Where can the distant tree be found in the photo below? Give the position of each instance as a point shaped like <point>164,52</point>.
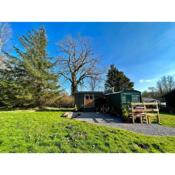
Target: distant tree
<point>32,70</point>
<point>146,94</point>
<point>170,100</point>
<point>165,85</point>
<point>77,62</point>
<point>5,34</point>
<point>150,93</point>
<point>94,82</point>
<point>117,80</point>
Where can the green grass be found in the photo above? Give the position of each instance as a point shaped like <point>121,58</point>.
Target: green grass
<point>47,132</point>
<point>167,119</point>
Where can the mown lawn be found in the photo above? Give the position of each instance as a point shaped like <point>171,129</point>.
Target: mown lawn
<point>47,132</point>
<point>166,119</point>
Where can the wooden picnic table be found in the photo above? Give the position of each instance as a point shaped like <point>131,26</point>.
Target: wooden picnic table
<point>144,111</point>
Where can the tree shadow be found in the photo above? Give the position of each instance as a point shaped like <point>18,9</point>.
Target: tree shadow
<point>39,109</point>
<point>55,110</point>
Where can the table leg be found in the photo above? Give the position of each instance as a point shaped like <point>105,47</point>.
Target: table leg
<point>148,118</point>
<point>158,119</point>
<point>141,120</point>
<point>133,120</point>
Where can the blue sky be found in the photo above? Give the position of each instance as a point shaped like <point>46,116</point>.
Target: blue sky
<point>144,51</point>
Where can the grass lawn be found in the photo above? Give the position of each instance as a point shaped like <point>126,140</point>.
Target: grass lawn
<point>166,119</point>
<point>47,132</point>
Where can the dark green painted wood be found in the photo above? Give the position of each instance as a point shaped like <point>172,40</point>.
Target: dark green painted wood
<point>117,100</point>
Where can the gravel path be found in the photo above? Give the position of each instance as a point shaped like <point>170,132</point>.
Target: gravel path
<point>113,121</point>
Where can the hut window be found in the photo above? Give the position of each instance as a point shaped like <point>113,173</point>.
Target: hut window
<point>123,98</point>
<point>135,98</point>
<point>91,97</point>
<point>87,97</point>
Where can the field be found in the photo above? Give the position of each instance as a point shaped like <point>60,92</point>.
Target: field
<point>47,132</point>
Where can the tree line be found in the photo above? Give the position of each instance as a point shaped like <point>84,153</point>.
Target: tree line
<point>29,77</point>
<point>163,86</point>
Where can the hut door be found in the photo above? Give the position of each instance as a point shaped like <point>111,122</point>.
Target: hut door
<point>88,100</point>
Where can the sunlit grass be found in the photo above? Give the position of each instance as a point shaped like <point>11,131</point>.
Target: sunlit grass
<point>47,132</point>
<point>167,119</point>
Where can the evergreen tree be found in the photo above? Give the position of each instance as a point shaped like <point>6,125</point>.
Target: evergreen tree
<point>32,70</point>
<point>117,80</point>
<point>10,87</point>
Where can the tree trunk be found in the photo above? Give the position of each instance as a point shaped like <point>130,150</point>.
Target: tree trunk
<point>74,86</point>
<point>38,96</point>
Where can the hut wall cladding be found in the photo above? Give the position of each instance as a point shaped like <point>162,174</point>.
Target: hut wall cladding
<point>79,98</point>
<point>114,100</point>
<point>117,100</point>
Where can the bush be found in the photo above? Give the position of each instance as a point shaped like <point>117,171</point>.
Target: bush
<point>170,99</point>
<point>125,113</point>
<point>66,101</point>
<point>61,100</point>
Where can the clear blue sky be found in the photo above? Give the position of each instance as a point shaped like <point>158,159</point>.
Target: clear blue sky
<point>144,51</point>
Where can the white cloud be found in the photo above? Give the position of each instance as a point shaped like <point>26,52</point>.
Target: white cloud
<point>146,81</point>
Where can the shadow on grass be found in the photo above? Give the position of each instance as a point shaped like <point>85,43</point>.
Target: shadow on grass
<point>38,109</point>
<point>6,109</point>
<point>56,110</point>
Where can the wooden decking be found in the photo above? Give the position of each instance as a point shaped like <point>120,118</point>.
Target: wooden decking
<point>144,111</point>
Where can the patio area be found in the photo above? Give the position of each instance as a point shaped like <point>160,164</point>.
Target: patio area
<point>116,122</point>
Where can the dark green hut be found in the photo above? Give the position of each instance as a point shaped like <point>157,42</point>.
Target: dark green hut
<point>117,100</point>
<point>85,100</point>
<point>90,100</point>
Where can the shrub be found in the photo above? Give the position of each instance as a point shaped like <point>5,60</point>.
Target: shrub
<point>170,99</point>
<point>50,99</point>
<point>66,101</point>
<point>125,113</point>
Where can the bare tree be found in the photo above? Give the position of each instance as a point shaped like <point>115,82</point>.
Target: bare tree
<point>150,93</point>
<point>77,61</point>
<point>165,85</point>
<point>5,33</point>
<point>94,82</point>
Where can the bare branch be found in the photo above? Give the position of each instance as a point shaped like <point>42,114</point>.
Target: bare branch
<point>78,59</point>
<point>5,34</point>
